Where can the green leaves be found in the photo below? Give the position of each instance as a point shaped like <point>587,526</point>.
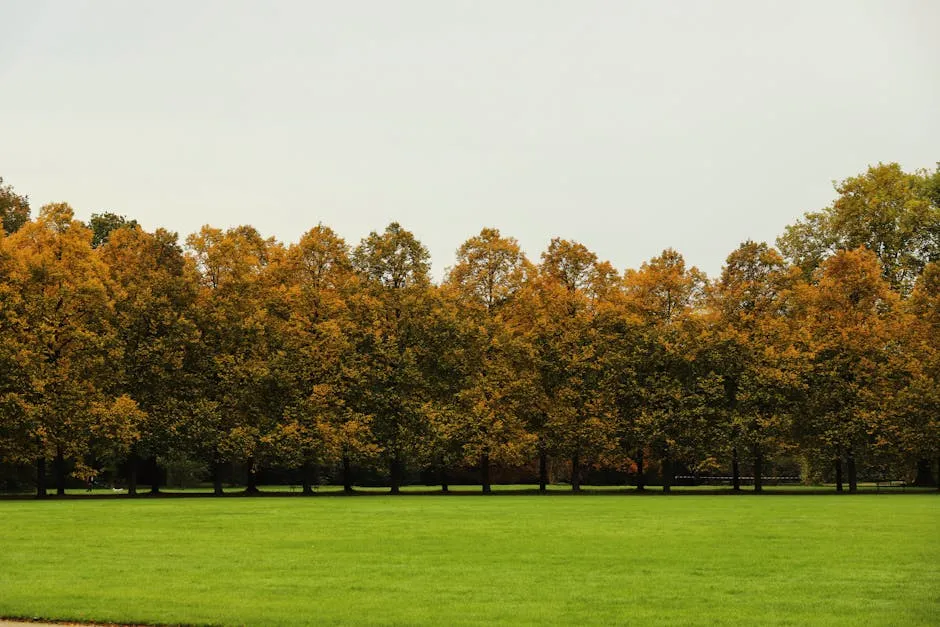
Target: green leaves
<point>14,209</point>
<point>889,212</point>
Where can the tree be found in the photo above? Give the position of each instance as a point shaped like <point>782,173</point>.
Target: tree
<point>14,209</point>
<point>15,438</point>
<point>243,398</point>
<point>578,414</point>
<point>752,349</point>
<point>320,361</point>
<point>393,267</point>
<point>892,213</point>
<point>103,224</point>
<point>489,274</point>
<point>69,342</point>
<point>155,292</point>
<point>674,409</point>
<point>916,407</point>
<point>852,318</point>
<point>932,186</point>
<point>448,336</point>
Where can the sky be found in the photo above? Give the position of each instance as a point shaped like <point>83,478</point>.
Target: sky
<point>627,126</point>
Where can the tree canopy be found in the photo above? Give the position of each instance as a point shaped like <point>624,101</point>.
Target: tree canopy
<point>126,351</point>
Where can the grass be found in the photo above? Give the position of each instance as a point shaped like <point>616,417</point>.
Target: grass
<point>789,560</point>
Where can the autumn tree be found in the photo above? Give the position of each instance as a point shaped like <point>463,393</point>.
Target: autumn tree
<point>445,360</point>
<point>69,341</point>
<point>488,275</point>
<point>885,209</point>
<point>243,399</point>
<point>677,401</point>
<point>625,338</point>
<point>15,429</point>
<point>155,292</point>
<point>852,317</point>
<point>393,267</point>
<point>321,365</point>
<point>752,349</point>
<point>915,410</point>
<point>571,288</point>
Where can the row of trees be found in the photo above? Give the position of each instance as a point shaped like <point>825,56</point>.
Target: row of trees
<point>119,345</point>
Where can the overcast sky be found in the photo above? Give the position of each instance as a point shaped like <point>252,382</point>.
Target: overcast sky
<point>628,126</point>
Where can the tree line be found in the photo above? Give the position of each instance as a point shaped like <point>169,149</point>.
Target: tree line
<point>119,345</point>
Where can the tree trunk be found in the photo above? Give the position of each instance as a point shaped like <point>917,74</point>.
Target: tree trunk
<point>938,473</point>
<point>316,475</point>
<point>853,476</point>
<point>157,478</point>
<point>838,474</point>
<point>758,470</point>
<point>735,471</point>
<point>217,479</point>
<point>924,473</point>
<point>41,478</point>
<point>251,480</point>
<point>305,481</point>
<point>133,461</point>
<point>393,472</point>
<point>445,484</point>
<point>640,473</point>
<point>485,473</point>
<point>59,465</point>
<point>347,475</point>
<point>667,474</point>
<point>575,473</point>
<point>543,469</point>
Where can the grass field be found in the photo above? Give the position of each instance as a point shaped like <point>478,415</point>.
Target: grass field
<point>786,559</point>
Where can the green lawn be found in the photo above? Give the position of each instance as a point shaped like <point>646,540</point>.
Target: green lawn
<point>749,560</point>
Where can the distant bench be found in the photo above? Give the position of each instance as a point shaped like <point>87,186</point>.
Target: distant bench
<point>890,483</point>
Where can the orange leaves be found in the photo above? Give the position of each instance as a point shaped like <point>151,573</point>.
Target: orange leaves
<point>490,270</point>
<point>308,352</point>
<point>117,425</point>
<point>663,289</point>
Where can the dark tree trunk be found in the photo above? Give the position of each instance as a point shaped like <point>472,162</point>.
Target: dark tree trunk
<point>217,479</point>
<point>575,473</point>
<point>543,469</point>
<point>853,475</point>
<point>59,465</point>
<point>758,470</point>
<point>41,478</point>
<point>735,471</point>
<point>133,461</point>
<point>938,473</point>
<point>640,473</point>
<point>924,476</point>
<point>445,483</point>
<point>838,474</point>
<point>251,481</point>
<point>395,479</point>
<point>485,473</point>
<point>347,475</point>
<point>157,478</point>
<point>306,472</point>
<point>667,474</point>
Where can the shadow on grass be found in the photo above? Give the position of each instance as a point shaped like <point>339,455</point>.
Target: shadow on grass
<point>554,490</point>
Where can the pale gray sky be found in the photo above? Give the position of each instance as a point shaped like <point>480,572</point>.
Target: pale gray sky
<point>629,126</point>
